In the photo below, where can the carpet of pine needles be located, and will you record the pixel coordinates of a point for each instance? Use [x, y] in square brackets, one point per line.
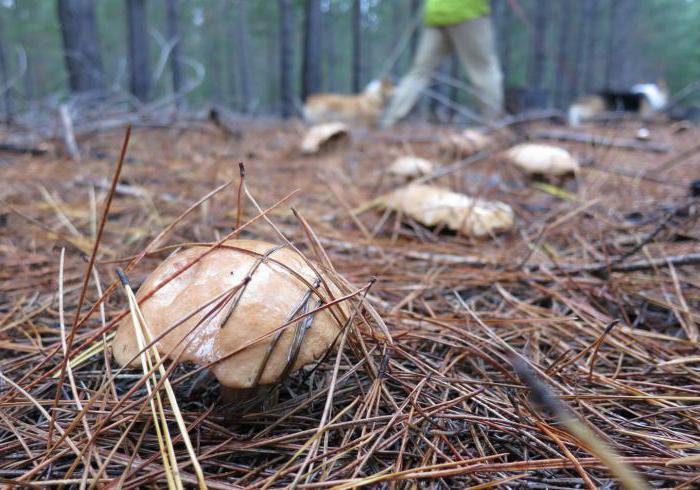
[597, 288]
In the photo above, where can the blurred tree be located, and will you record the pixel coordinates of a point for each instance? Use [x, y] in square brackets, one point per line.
[536, 65]
[311, 69]
[286, 54]
[238, 36]
[173, 28]
[564, 65]
[137, 41]
[81, 47]
[356, 45]
[329, 36]
[4, 76]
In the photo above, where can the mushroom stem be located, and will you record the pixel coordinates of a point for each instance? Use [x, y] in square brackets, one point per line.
[239, 401]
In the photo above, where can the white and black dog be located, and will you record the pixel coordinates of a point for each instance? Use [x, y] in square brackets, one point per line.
[644, 99]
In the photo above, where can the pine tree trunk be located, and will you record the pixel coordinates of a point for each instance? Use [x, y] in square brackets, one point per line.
[137, 42]
[240, 67]
[173, 21]
[329, 36]
[4, 76]
[563, 73]
[311, 70]
[81, 45]
[285, 40]
[356, 45]
[579, 66]
[593, 21]
[506, 44]
[538, 54]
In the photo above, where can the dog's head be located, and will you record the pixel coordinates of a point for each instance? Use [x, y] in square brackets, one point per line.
[382, 89]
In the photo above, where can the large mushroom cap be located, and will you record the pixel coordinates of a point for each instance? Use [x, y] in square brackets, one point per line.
[432, 206]
[278, 290]
[543, 159]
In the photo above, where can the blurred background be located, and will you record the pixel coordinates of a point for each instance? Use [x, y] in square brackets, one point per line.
[262, 57]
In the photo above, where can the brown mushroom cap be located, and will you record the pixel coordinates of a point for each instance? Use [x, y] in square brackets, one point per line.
[272, 297]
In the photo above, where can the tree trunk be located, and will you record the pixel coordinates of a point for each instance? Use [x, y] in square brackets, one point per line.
[329, 36]
[285, 39]
[563, 73]
[611, 42]
[506, 44]
[538, 54]
[137, 42]
[4, 76]
[239, 68]
[356, 45]
[415, 7]
[173, 21]
[81, 47]
[311, 70]
[592, 66]
[578, 72]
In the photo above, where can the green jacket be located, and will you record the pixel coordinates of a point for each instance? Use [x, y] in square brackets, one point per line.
[448, 12]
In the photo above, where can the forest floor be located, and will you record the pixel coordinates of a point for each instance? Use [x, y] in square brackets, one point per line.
[439, 403]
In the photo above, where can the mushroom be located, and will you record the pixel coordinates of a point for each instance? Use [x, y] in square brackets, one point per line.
[543, 160]
[465, 143]
[319, 136]
[411, 167]
[433, 206]
[215, 311]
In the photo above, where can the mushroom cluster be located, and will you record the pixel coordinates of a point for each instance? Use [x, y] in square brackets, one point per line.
[243, 309]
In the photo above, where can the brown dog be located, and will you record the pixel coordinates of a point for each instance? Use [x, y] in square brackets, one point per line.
[361, 109]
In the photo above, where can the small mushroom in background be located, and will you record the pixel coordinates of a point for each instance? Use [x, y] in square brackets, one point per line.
[643, 134]
[411, 167]
[321, 136]
[434, 206]
[543, 161]
[465, 143]
[282, 286]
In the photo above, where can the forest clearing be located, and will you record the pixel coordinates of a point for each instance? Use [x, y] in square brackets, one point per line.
[455, 307]
[307, 293]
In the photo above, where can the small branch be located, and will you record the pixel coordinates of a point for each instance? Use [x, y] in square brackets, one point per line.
[71, 144]
[599, 140]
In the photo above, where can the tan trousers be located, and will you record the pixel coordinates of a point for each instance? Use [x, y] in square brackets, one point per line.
[474, 44]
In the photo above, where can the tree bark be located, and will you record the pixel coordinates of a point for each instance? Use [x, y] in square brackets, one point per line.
[329, 36]
[4, 76]
[538, 54]
[81, 48]
[173, 29]
[137, 42]
[356, 45]
[285, 39]
[592, 66]
[311, 70]
[239, 68]
[563, 73]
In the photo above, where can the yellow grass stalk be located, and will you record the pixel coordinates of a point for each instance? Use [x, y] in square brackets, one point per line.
[143, 334]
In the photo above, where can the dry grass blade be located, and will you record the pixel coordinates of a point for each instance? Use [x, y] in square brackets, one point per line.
[149, 358]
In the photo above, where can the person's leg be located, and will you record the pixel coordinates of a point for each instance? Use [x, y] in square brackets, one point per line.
[432, 48]
[473, 41]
